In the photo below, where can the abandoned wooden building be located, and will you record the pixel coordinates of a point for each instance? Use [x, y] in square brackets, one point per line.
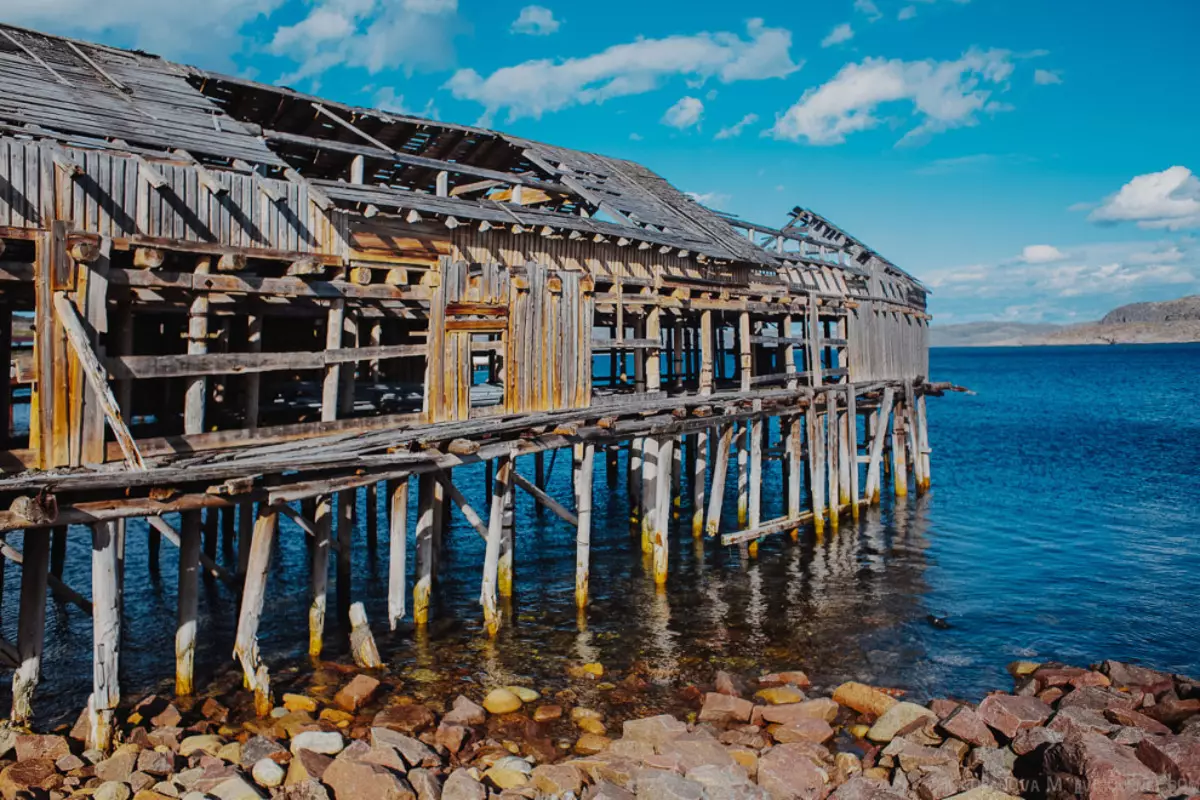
[229, 301]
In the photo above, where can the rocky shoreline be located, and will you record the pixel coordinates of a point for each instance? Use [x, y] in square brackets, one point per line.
[1109, 732]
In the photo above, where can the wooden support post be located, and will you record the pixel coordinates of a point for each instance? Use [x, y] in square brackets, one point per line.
[788, 350]
[699, 475]
[654, 354]
[706, 352]
[397, 553]
[362, 641]
[923, 437]
[756, 476]
[844, 452]
[899, 459]
[539, 476]
[348, 374]
[676, 475]
[634, 479]
[677, 357]
[743, 476]
[747, 358]
[720, 470]
[914, 443]
[815, 368]
[831, 454]
[660, 539]
[372, 503]
[650, 479]
[58, 549]
[31, 624]
[816, 464]
[851, 438]
[189, 575]
[795, 469]
[583, 533]
[347, 519]
[423, 580]
[197, 385]
[879, 434]
[322, 541]
[504, 576]
[330, 388]
[253, 385]
[106, 633]
[491, 559]
[245, 648]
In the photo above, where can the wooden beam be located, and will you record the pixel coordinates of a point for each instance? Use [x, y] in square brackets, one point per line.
[68, 316]
[171, 535]
[245, 648]
[875, 457]
[766, 529]
[461, 501]
[144, 367]
[545, 499]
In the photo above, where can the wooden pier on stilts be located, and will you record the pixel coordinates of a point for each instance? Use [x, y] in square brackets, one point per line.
[232, 302]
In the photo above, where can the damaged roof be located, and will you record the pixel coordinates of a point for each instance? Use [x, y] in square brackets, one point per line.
[371, 161]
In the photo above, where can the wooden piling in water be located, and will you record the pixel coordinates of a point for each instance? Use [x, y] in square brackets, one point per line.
[491, 559]
[398, 553]
[651, 466]
[319, 581]
[245, 649]
[720, 470]
[423, 580]
[899, 459]
[699, 475]
[106, 634]
[754, 504]
[583, 531]
[742, 445]
[662, 516]
[31, 624]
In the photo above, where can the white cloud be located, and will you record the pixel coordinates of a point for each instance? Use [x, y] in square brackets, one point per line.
[710, 199]
[1045, 77]
[869, 9]
[943, 94]
[635, 137]
[908, 12]
[840, 33]
[534, 88]
[1042, 254]
[1169, 199]
[206, 33]
[684, 114]
[735, 130]
[387, 99]
[536, 21]
[371, 34]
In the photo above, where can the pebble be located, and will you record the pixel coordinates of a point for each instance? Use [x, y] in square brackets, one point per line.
[501, 701]
[318, 742]
[267, 773]
[525, 694]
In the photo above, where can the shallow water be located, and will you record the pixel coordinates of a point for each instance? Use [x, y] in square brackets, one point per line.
[1062, 524]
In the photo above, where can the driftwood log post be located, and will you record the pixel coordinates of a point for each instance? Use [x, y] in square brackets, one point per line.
[245, 648]
[851, 439]
[662, 515]
[699, 474]
[831, 454]
[583, 531]
[793, 455]
[322, 542]
[899, 459]
[651, 467]
[879, 435]
[816, 464]
[755, 482]
[31, 625]
[106, 634]
[423, 580]
[720, 471]
[742, 445]
[491, 559]
[397, 553]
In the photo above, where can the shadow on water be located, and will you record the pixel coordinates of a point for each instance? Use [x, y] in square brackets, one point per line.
[1062, 524]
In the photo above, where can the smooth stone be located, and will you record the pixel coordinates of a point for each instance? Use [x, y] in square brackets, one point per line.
[897, 718]
[465, 712]
[299, 702]
[506, 778]
[591, 743]
[525, 694]
[724, 708]
[267, 773]
[780, 695]
[235, 789]
[206, 743]
[462, 786]
[863, 699]
[318, 742]
[547, 713]
[654, 730]
[111, 790]
[501, 701]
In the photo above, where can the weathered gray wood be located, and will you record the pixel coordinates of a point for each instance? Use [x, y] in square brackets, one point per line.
[756, 478]
[720, 470]
[583, 533]
[424, 542]
[766, 529]
[662, 525]
[699, 475]
[319, 574]
[142, 367]
[491, 559]
[743, 476]
[397, 553]
[831, 455]
[876, 454]
[31, 624]
[899, 457]
[106, 634]
[923, 437]
[816, 464]
[650, 481]
[851, 440]
[188, 600]
[795, 464]
[245, 648]
[197, 386]
[460, 500]
[333, 341]
[362, 642]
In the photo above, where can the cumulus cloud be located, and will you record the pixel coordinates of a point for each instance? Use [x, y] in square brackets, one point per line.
[684, 114]
[735, 130]
[534, 88]
[1084, 283]
[206, 33]
[942, 95]
[840, 33]
[1045, 77]
[711, 199]
[536, 21]
[1042, 254]
[371, 34]
[908, 12]
[1169, 199]
[868, 9]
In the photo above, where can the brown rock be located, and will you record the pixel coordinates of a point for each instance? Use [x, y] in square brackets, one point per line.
[937, 784]
[31, 745]
[655, 731]
[723, 709]
[68, 763]
[943, 707]
[1134, 719]
[355, 694]
[1131, 676]
[819, 708]
[119, 766]
[725, 684]
[425, 784]
[1051, 696]
[791, 677]
[802, 730]
[1177, 757]
[1096, 698]
[465, 712]
[461, 786]
[1080, 719]
[355, 780]
[153, 762]
[450, 736]
[33, 773]
[313, 764]
[1031, 739]
[1107, 771]
[547, 713]
[1172, 712]
[1054, 675]
[557, 779]
[305, 790]
[411, 718]
[414, 752]
[606, 790]
[695, 748]
[861, 787]
[863, 699]
[1008, 714]
[591, 743]
[655, 784]
[786, 772]
[964, 723]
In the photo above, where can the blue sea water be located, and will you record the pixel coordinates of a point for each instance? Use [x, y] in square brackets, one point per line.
[1063, 522]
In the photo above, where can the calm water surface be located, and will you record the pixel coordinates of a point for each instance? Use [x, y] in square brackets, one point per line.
[1063, 523]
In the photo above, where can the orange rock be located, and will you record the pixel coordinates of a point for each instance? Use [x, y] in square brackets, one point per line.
[863, 699]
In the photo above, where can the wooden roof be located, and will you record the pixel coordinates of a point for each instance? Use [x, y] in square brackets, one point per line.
[100, 96]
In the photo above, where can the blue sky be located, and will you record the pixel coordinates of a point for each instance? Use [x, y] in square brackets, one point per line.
[1027, 160]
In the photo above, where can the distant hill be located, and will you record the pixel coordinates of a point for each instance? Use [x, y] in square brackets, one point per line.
[1136, 323]
[987, 334]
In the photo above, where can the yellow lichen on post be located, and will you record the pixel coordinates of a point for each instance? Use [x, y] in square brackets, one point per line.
[423, 582]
